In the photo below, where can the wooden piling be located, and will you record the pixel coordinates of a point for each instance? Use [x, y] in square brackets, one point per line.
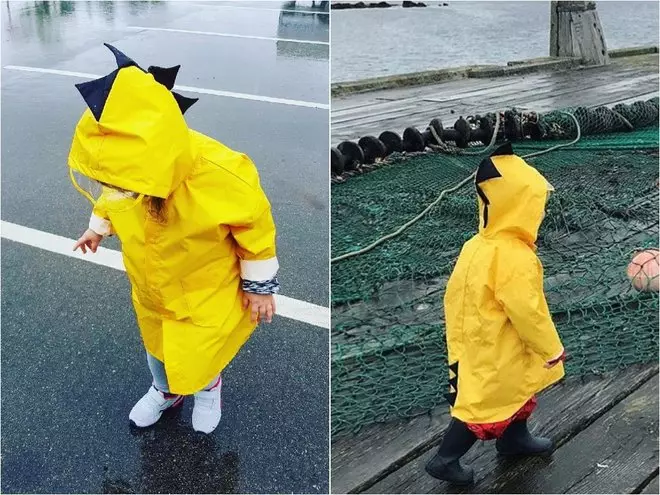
[576, 31]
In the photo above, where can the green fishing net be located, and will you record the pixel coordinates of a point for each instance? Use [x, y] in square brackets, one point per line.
[388, 343]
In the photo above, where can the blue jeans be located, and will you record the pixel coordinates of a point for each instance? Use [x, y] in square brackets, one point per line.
[157, 369]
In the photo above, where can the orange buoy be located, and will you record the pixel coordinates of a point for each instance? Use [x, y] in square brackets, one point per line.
[644, 271]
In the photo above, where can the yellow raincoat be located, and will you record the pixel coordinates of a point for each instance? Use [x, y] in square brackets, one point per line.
[185, 271]
[499, 329]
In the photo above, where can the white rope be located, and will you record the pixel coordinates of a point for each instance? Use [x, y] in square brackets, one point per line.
[445, 147]
[625, 120]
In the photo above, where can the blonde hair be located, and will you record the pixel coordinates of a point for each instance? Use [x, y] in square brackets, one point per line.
[155, 206]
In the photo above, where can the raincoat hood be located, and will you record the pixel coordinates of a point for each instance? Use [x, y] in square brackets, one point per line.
[512, 196]
[133, 134]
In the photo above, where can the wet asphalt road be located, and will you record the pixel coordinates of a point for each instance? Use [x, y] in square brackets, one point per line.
[72, 361]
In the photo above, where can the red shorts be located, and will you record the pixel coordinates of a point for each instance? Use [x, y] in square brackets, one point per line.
[490, 431]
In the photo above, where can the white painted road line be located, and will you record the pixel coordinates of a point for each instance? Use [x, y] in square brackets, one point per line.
[227, 35]
[287, 307]
[191, 89]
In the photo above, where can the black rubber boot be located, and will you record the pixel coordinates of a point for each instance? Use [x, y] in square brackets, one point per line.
[517, 440]
[445, 464]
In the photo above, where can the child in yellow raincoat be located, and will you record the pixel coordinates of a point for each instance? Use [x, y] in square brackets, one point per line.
[197, 234]
[502, 345]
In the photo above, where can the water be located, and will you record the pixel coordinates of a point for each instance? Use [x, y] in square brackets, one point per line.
[380, 42]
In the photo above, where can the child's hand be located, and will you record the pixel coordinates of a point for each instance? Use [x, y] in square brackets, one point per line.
[261, 306]
[556, 361]
[89, 239]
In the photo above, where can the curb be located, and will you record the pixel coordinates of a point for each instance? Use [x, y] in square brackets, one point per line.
[524, 67]
[399, 81]
[633, 51]
[424, 78]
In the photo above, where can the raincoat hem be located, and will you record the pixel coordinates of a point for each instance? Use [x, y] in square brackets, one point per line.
[504, 413]
[229, 351]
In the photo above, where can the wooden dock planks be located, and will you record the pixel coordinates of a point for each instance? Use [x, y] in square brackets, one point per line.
[390, 458]
[371, 113]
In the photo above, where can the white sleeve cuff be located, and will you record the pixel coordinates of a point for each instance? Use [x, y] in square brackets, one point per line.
[259, 270]
[100, 225]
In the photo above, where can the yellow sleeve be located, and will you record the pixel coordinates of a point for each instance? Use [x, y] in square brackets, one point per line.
[256, 243]
[99, 222]
[519, 289]
[247, 212]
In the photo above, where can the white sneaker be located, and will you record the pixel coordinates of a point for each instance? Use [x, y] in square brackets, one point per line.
[150, 407]
[207, 409]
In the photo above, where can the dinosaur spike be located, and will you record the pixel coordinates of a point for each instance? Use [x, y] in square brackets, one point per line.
[505, 149]
[95, 93]
[165, 75]
[122, 60]
[184, 102]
